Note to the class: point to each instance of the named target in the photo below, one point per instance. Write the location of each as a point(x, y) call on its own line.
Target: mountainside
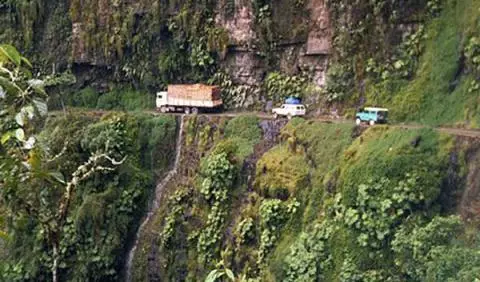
point(420, 58)
point(96, 187)
point(309, 201)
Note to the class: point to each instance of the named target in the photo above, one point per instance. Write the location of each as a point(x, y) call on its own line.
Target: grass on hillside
point(321, 146)
point(439, 95)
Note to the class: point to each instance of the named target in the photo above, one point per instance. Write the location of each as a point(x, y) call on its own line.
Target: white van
point(289, 110)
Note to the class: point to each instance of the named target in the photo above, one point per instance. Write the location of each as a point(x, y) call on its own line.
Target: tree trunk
point(55, 263)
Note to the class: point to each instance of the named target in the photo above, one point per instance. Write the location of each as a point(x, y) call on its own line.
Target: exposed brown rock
point(320, 35)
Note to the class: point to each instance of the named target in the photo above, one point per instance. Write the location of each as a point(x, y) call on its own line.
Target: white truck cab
point(162, 99)
point(289, 110)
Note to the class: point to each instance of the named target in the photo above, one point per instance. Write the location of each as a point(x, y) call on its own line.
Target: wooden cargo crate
point(194, 92)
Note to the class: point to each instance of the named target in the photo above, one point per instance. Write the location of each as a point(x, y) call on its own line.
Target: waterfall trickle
point(156, 202)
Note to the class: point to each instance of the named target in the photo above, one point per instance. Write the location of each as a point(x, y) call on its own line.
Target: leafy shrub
point(339, 83)
point(245, 230)
point(414, 244)
point(131, 100)
point(86, 98)
point(380, 206)
point(309, 256)
point(109, 101)
point(176, 204)
point(280, 86)
point(219, 175)
point(218, 179)
point(472, 54)
point(273, 215)
point(234, 95)
point(111, 132)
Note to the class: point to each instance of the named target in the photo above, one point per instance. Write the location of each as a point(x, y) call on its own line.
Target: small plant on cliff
point(221, 270)
point(175, 202)
point(219, 178)
point(472, 54)
point(340, 82)
point(245, 230)
point(233, 95)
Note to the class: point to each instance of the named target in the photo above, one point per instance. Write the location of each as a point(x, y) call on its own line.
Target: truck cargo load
point(189, 98)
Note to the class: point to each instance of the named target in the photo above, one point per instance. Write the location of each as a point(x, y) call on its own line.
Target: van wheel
point(358, 121)
point(194, 111)
point(289, 116)
point(372, 122)
point(187, 110)
point(275, 115)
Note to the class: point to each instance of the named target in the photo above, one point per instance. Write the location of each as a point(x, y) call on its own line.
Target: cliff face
point(131, 39)
point(304, 40)
point(405, 55)
point(311, 201)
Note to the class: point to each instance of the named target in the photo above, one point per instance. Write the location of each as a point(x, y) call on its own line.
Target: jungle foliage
point(73, 187)
point(349, 206)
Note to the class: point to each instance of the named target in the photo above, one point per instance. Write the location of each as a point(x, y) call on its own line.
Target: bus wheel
point(275, 115)
point(194, 111)
point(187, 110)
point(163, 109)
point(289, 116)
point(358, 121)
point(372, 122)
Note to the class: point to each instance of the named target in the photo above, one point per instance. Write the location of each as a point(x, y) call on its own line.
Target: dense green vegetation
point(331, 203)
point(74, 187)
point(419, 58)
point(105, 209)
point(318, 202)
point(425, 71)
point(117, 99)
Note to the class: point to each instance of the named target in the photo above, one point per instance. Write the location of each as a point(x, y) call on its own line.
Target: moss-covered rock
point(280, 172)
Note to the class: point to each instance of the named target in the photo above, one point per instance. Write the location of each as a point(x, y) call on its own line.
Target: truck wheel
point(372, 122)
point(194, 111)
point(358, 121)
point(275, 115)
point(187, 110)
point(163, 109)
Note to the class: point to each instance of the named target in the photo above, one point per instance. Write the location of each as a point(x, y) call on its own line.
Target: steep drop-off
point(310, 201)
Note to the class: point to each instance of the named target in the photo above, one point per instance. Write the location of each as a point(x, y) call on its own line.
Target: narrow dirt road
point(473, 133)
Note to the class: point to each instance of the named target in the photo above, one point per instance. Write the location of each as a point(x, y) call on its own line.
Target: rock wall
point(243, 63)
point(296, 54)
point(109, 34)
